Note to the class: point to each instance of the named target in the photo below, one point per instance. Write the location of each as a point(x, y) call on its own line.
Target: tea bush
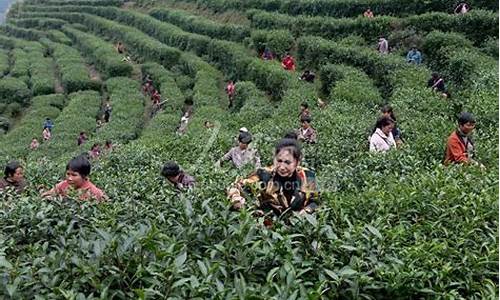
point(393, 226)
point(71, 66)
point(16, 142)
point(101, 53)
point(201, 25)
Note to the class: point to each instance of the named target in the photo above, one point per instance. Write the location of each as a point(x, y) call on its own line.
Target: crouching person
point(173, 173)
point(281, 187)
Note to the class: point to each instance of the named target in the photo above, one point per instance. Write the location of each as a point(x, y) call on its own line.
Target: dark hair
point(10, 168)
point(388, 109)
point(108, 142)
point(170, 169)
point(383, 121)
point(82, 132)
point(290, 144)
point(79, 164)
point(95, 145)
point(435, 74)
point(305, 105)
point(305, 119)
point(245, 138)
point(466, 117)
point(188, 101)
point(291, 135)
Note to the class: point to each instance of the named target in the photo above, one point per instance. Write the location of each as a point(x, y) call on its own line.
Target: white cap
point(243, 129)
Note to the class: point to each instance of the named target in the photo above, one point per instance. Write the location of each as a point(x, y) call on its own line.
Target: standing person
point(382, 139)
point(180, 179)
point(13, 177)
point(77, 179)
point(414, 56)
point(48, 124)
point(34, 144)
point(462, 8)
point(288, 63)
point(304, 111)
point(383, 46)
point(460, 146)
point(241, 154)
point(368, 13)
point(230, 89)
point(82, 138)
point(387, 111)
point(46, 134)
point(120, 48)
point(281, 187)
point(107, 112)
point(306, 133)
point(182, 128)
point(188, 108)
point(156, 97)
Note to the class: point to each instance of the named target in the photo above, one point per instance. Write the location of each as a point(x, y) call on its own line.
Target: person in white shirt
point(381, 139)
point(383, 46)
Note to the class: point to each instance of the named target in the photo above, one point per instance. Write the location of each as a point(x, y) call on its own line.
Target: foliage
point(79, 115)
point(392, 226)
point(14, 90)
point(127, 116)
point(71, 66)
point(201, 25)
point(16, 142)
point(102, 53)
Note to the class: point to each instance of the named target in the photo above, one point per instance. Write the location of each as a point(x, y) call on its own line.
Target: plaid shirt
point(241, 157)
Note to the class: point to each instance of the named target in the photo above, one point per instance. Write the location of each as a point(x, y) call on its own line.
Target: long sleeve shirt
point(414, 57)
point(241, 157)
point(307, 135)
point(380, 142)
point(459, 149)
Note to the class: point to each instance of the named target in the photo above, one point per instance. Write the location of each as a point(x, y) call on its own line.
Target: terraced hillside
point(393, 226)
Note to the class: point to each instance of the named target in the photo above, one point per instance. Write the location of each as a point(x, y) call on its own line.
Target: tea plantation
point(400, 225)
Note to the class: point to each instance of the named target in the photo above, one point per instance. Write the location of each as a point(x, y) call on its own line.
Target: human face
point(243, 146)
point(75, 179)
point(305, 125)
point(387, 129)
point(386, 114)
point(173, 179)
point(467, 128)
point(18, 175)
point(285, 164)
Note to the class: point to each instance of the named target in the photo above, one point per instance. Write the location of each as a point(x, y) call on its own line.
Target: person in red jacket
point(460, 146)
point(288, 63)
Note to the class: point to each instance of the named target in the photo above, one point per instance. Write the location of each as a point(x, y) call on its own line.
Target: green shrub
point(14, 90)
point(41, 23)
point(72, 69)
point(201, 25)
point(15, 143)
point(79, 115)
point(278, 41)
point(4, 63)
point(102, 53)
point(490, 47)
point(127, 117)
